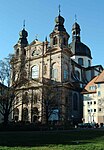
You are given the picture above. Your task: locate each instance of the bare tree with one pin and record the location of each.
(50, 102)
(8, 94)
(54, 107)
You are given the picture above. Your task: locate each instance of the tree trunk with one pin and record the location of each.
(47, 115)
(6, 118)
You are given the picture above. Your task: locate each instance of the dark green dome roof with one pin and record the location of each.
(80, 49)
(59, 20)
(23, 33)
(75, 26)
(23, 37)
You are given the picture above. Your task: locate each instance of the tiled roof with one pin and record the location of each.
(91, 86)
(100, 78)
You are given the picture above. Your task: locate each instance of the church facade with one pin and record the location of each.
(51, 76)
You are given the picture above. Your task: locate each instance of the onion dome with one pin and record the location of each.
(59, 20)
(75, 26)
(23, 38)
(23, 33)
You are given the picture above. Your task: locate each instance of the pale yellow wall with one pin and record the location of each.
(98, 115)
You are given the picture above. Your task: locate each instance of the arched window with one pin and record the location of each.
(25, 98)
(24, 52)
(75, 102)
(25, 114)
(54, 71)
(35, 114)
(80, 61)
(74, 33)
(35, 72)
(16, 114)
(64, 41)
(55, 40)
(65, 72)
(35, 98)
(17, 52)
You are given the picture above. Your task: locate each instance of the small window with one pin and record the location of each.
(24, 52)
(64, 41)
(25, 114)
(94, 102)
(55, 40)
(99, 109)
(80, 61)
(89, 87)
(91, 110)
(25, 98)
(92, 88)
(98, 85)
(35, 72)
(94, 110)
(17, 52)
(65, 74)
(35, 98)
(54, 73)
(99, 93)
(74, 33)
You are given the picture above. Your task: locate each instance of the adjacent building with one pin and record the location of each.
(93, 109)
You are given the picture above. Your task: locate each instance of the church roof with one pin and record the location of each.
(80, 49)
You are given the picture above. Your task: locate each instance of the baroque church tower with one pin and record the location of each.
(82, 54)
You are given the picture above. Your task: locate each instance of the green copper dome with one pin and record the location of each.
(59, 20)
(23, 33)
(23, 38)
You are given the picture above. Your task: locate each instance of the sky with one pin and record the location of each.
(39, 16)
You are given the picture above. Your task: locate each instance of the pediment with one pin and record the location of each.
(28, 84)
(35, 42)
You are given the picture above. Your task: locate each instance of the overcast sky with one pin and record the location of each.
(39, 16)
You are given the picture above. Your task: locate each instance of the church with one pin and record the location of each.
(51, 75)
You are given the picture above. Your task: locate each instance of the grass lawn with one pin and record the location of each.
(86, 139)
